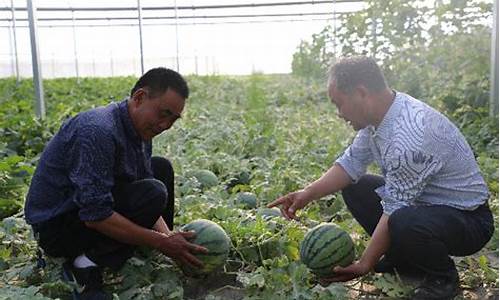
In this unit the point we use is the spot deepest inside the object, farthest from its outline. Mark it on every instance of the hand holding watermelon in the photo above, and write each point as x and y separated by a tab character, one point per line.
179	249
352	271
213	238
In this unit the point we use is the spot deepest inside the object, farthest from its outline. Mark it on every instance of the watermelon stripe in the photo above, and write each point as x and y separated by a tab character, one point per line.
315	233
348	254
213	237
216	242
326	244
200	230
338	261
323	271
306	242
342	246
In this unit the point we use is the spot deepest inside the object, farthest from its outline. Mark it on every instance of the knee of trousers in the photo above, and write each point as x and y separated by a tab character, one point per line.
349	193
162	163
406	229
155	197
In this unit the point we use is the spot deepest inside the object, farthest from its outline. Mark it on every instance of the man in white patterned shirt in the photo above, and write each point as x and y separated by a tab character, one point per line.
431	200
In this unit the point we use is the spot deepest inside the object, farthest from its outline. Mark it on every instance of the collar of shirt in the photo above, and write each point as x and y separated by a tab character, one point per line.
384	130
127	122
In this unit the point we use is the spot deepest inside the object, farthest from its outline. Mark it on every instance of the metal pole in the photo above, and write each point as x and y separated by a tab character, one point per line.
176	36
196	64
11	48
494	64
111	63
53	64
139	10
334	31
75	48
93	64
35	58
13	10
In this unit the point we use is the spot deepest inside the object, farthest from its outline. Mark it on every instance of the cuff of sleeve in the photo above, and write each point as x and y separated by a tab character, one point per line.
95	213
96	209
348	169
389	205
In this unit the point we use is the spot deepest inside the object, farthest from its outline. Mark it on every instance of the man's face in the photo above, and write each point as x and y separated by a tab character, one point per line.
153	115
351	107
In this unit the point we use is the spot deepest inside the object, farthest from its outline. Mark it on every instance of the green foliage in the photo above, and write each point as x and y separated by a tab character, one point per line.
15	175
312	59
438	52
267	135
392	286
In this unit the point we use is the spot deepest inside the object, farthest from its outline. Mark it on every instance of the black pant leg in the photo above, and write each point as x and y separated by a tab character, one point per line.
63	236
163	171
363	203
425	236
67	236
141	202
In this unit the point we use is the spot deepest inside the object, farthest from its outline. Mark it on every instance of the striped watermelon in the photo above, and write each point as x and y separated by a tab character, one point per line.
211	236
246	199
324	247
268	213
206	178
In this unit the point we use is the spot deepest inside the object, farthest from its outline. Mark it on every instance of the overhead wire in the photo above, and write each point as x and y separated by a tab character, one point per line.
224	6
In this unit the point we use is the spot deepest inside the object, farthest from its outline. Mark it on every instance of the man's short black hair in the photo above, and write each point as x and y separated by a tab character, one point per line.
159	80
350	72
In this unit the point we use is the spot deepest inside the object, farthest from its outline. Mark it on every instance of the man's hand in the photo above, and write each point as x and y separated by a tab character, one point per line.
290	203
179	249
355	270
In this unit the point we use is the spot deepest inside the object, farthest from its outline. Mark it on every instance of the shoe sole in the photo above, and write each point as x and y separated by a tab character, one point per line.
68	277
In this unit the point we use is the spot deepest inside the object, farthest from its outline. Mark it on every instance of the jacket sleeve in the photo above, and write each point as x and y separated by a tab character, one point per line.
91	172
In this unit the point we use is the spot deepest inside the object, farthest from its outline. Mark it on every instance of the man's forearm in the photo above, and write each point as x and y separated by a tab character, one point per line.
332	181
161	226
378	245
122	229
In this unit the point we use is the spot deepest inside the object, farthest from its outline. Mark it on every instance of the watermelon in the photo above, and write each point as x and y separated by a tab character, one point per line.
324	247
243	178
206	178
268	213
247	200
211	236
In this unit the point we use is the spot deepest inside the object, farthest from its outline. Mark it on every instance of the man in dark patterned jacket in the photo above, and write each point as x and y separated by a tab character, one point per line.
97	192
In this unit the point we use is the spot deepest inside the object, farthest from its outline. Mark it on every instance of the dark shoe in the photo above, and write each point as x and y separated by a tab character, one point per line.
384	265
438	288
89	278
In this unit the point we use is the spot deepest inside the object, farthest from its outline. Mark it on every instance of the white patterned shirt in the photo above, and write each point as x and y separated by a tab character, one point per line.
424	159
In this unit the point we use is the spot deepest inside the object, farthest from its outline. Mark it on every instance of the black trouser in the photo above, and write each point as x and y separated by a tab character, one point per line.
142	202
422	237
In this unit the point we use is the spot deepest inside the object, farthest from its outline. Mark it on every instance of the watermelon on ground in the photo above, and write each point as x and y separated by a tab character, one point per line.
211	236
243	178
325	247
206	178
268	213
247	200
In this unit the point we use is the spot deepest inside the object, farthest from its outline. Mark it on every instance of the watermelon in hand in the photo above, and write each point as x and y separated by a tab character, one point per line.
325	247
211	236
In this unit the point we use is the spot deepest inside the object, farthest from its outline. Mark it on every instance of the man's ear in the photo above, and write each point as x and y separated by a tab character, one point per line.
139	96
362	91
